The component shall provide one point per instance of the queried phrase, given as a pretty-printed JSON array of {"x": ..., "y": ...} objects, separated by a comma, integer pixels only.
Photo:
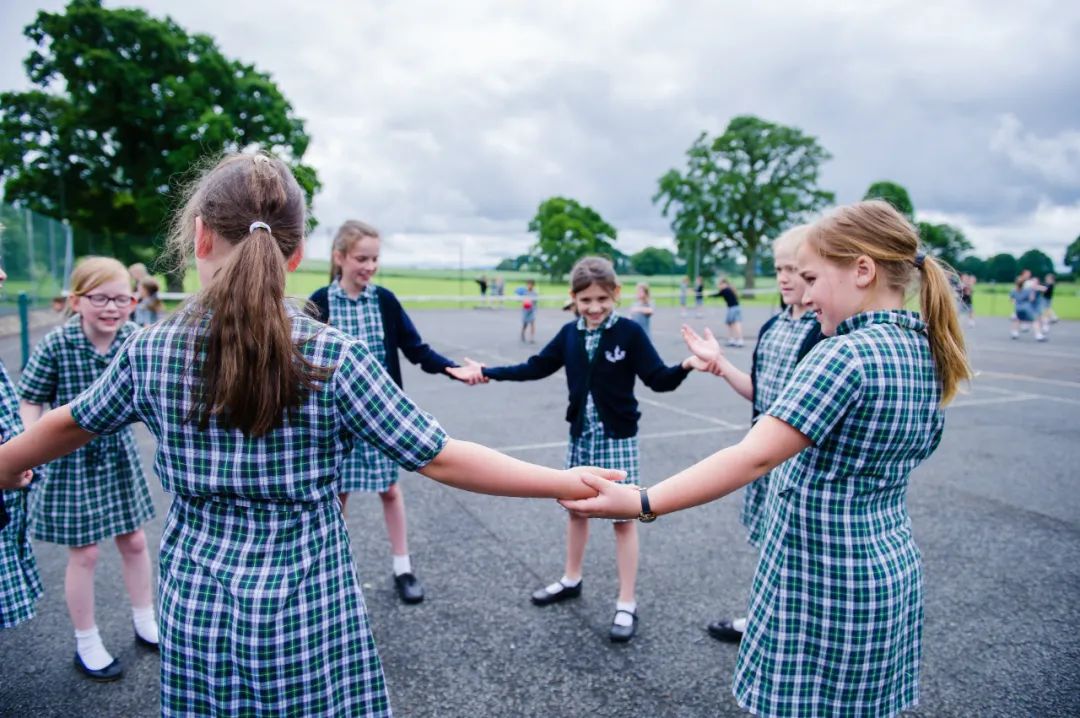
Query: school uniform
[
  {"x": 20, "y": 584},
  {"x": 601, "y": 366},
  {"x": 261, "y": 608},
  {"x": 783, "y": 342},
  {"x": 99, "y": 491},
  {"x": 835, "y": 619},
  {"x": 376, "y": 318}
]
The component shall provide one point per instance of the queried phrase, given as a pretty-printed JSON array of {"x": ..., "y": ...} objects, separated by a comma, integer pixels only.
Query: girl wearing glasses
[{"x": 99, "y": 491}]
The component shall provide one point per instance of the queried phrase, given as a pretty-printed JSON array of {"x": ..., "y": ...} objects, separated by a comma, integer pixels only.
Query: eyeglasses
[{"x": 122, "y": 301}]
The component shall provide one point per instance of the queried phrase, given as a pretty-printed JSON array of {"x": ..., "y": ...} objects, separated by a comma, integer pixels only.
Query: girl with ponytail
[
  {"x": 254, "y": 406},
  {"x": 835, "y": 619}
]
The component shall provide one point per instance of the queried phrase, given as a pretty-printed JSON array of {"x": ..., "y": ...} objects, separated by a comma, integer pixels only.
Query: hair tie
[
  {"x": 259, "y": 225},
  {"x": 920, "y": 257}
]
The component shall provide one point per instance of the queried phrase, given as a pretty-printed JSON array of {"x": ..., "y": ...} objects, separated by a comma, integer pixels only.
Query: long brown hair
[
  {"x": 348, "y": 234},
  {"x": 251, "y": 371},
  {"x": 875, "y": 229}
]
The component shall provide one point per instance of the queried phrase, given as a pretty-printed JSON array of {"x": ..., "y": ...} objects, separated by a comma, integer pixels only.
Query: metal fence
[{"x": 36, "y": 253}]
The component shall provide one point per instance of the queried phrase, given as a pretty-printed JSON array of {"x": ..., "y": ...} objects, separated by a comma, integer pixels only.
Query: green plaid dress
[
  {"x": 593, "y": 447},
  {"x": 777, "y": 353},
  {"x": 366, "y": 468},
  {"x": 261, "y": 608},
  {"x": 20, "y": 584},
  {"x": 100, "y": 490},
  {"x": 835, "y": 617}
]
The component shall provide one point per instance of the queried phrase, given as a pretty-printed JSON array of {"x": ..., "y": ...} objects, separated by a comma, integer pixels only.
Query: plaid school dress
[
  {"x": 366, "y": 468},
  {"x": 593, "y": 447},
  {"x": 261, "y": 608},
  {"x": 835, "y": 617},
  {"x": 777, "y": 353},
  {"x": 100, "y": 490},
  {"x": 20, "y": 584}
]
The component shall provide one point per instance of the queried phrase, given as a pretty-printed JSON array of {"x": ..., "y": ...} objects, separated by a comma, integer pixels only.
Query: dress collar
[{"x": 902, "y": 317}]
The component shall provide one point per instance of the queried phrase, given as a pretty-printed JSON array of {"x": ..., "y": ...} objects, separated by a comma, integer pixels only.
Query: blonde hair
[
  {"x": 593, "y": 270},
  {"x": 644, "y": 286},
  {"x": 875, "y": 229},
  {"x": 91, "y": 272},
  {"x": 348, "y": 234},
  {"x": 790, "y": 240},
  {"x": 252, "y": 372}
]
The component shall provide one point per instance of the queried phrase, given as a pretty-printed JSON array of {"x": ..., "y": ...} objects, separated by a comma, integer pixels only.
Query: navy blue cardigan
[
  {"x": 398, "y": 333},
  {"x": 625, "y": 352}
]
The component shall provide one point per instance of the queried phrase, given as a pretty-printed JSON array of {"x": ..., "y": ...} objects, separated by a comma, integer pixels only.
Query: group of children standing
[
  {"x": 266, "y": 419},
  {"x": 1033, "y": 306}
]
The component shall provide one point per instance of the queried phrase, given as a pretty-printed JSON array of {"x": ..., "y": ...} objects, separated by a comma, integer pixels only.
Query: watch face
[{"x": 647, "y": 518}]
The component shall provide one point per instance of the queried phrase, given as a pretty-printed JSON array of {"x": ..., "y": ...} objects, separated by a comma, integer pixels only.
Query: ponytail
[
  {"x": 938, "y": 307},
  {"x": 251, "y": 371}
]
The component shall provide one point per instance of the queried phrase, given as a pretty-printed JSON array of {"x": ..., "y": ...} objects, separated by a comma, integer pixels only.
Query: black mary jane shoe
[
  {"x": 543, "y": 597},
  {"x": 622, "y": 634},
  {"x": 149, "y": 645},
  {"x": 111, "y": 672},
  {"x": 724, "y": 630},
  {"x": 409, "y": 588}
]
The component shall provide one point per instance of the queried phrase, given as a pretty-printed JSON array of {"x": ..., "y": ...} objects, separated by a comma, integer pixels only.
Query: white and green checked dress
[
  {"x": 593, "y": 447},
  {"x": 20, "y": 584},
  {"x": 777, "y": 353},
  {"x": 835, "y": 617},
  {"x": 100, "y": 490},
  {"x": 261, "y": 608},
  {"x": 366, "y": 468}
]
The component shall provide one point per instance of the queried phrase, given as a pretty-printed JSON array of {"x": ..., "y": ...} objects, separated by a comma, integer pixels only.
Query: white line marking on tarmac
[
  {"x": 692, "y": 414},
  {"x": 643, "y": 437},
  {"x": 1040, "y": 352},
  {"x": 1022, "y": 377}
]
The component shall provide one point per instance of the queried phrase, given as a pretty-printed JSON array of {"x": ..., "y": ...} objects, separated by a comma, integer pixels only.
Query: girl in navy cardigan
[
  {"x": 602, "y": 354},
  {"x": 357, "y": 307}
]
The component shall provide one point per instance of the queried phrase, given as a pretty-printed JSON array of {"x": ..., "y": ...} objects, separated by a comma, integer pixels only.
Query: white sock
[
  {"x": 562, "y": 583},
  {"x": 739, "y": 624},
  {"x": 402, "y": 564},
  {"x": 145, "y": 623},
  {"x": 622, "y": 619},
  {"x": 91, "y": 649}
]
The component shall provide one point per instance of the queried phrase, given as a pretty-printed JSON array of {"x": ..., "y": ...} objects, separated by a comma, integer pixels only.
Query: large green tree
[
  {"x": 895, "y": 194},
  {"x": 1072, "y": 256},
  {"x": 1037, "y": 261},
  {"x": 566, "y": 231},
  {"x": 1002, "y": 268},
  {"x": 654, "y": 260},
  {"x": 944, "y": 242},
  {"x": 739, "y": 190},
  {"x": 126, "y": 105}
]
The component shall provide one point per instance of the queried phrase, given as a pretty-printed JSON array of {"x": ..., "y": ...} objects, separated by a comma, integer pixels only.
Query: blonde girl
[
  {"x": 98, "y": 492},
  {"x": 835, "y": 620}
]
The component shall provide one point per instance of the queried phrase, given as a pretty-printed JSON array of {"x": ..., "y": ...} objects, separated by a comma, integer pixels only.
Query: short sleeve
[
  {"x": 108, "y": 404},
  {"x": 373, "y": 408},
  {"x": 824, "y": 388},
  {"x": 40, "y": 378}
]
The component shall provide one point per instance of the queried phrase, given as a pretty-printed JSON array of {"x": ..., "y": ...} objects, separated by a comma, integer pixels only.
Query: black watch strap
[{"x": 646, "y": 514}]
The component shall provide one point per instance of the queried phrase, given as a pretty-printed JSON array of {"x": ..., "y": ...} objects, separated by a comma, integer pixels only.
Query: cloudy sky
[{"x": 445, "y": 124}]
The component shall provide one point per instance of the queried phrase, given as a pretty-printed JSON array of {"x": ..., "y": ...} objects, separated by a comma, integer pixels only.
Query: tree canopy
[
  {"x": 893, "y": 193},
  {"x": 1072, "y": 256},
  {"x": 566, "y": 231},
  {"x": 944, "y": 242},
  {"x": 1002, "y": 268},
  {"x": 655, "y": 260},
  {"x": 1037, "y": 261},
  {"x": 125, "y": 106},
  {"x": 746, "y": 186}
]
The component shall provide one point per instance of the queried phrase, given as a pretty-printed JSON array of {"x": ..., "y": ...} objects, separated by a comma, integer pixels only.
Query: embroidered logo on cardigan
[{"x": 616, "y": 354}]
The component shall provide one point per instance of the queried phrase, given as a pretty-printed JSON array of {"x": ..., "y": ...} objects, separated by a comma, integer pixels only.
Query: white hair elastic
[{"x": 259, "y": 225}]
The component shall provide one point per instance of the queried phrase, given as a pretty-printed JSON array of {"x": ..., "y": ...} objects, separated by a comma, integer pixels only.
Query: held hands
[
  {"x": 15, "y": 481},
  {"x": 471, "y": 373},
  {"x": 584, "y": 478},
  {"x": 706, "y": 349},
  {"x": 612, "y": 501}
]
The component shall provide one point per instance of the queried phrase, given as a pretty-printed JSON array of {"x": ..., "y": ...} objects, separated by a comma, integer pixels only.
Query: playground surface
[{"x": 996, "y": 513}]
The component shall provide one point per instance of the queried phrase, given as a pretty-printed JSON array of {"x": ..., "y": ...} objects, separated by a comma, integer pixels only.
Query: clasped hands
[{"x": 471, "y": 373}]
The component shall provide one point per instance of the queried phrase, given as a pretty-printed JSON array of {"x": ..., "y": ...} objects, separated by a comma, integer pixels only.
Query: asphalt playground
[{"x": 996, "y": 513}]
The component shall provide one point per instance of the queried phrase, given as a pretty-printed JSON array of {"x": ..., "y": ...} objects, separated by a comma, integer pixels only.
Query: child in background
[
  {"x": 529, "y": 300},
  {"x": 100, "y": 491},
  {"x": 1049, "y": 317},
  {"x": 353, "y": 304},
  {"x": 641, "y": 310},
  {"x": 602, "y": 354},
  {"x": 699, "y": 297},
  {"x": 150, "y": 307},
  {"x": 733, "y": 320},
  {"x": 782, "y": 343},
  {"x": 835, "y": 623},
  {"x": 255, "y": 406},
  {"x": 684, "y": 291},
  {"x": 20, "y": 584}
]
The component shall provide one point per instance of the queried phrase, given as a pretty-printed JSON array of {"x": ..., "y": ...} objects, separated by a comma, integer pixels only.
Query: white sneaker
[
  {"x": 1014, "y": 335},
  {"x": 1041, "y": 337}
]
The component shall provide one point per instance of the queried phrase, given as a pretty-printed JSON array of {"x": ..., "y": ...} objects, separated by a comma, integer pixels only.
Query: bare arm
[
  {"x": 766, "y": 446},
  {"x": 56, "y": 434},
  {"x": 30, "y": 412},
  {"x": 472, "y": 467},
  {"x": 707, "y": 348}
]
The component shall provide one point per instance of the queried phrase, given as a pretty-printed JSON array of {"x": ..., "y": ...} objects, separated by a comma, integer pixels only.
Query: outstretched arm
[
  {"x": 707, "y": 348},
  {"x": 56, "y": 434},
  {"x": 472, "y": 467},
  {"x": 770, "y": 443}
]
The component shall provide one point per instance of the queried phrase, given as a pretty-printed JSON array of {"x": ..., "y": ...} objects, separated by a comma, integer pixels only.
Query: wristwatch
[{"x": 646, "y": 515}]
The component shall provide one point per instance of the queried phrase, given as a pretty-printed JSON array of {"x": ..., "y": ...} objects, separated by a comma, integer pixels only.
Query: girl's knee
[
  {"x": 131, "y": 543},
  {"x": 390, "y": 495},
  {"x": 84, "y": 556},
  {"x": 625, "y": 528}
]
